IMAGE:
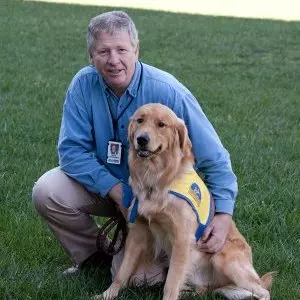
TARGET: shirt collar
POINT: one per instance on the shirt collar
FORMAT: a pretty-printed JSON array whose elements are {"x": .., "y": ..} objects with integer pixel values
[{"x": 134, "y": 84}]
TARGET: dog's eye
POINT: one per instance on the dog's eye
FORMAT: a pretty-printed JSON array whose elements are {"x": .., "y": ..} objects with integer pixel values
[
  {"x": 161, "y": 124},
  {"x": 140, "y": 120}
]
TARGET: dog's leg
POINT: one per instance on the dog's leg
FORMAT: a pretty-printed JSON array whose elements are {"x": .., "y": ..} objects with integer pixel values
[
  {"x": 177, "y": 269},
  {"x": 136, "y": 244},
  {"x": 244, "y": 277}
]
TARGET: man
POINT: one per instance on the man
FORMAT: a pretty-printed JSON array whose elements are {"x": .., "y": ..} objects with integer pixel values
[{"x": 99, "y": 103}]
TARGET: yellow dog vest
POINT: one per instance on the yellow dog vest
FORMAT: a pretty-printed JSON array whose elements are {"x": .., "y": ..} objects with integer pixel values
[{"x": 192, "y": 189}]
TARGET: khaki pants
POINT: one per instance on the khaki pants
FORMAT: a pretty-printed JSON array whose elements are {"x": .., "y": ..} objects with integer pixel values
[{"x": 67, "y": 208}]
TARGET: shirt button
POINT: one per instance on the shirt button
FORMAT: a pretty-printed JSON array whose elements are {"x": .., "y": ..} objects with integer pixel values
[{"x": 122, "y": 126}]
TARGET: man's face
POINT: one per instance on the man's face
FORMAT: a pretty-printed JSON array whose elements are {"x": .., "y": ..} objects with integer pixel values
[{"x": 115, "y": 58}]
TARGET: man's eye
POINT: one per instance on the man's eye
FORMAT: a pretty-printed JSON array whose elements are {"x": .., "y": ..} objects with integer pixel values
[
  {"x": 101, "y": 52},
  {"x": 140, "y": 120},
  {"x": 161, "y": 124}
]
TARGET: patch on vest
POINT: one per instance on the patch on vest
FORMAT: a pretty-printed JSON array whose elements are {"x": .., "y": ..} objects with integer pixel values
[{"x": 195, "y": 192}]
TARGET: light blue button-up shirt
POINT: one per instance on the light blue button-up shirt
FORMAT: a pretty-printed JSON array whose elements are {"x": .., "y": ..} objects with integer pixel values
[{"x": 87, "y": 125}]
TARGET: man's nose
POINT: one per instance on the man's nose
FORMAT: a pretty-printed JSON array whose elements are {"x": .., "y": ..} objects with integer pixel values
[{"x": 113, "y": 57}]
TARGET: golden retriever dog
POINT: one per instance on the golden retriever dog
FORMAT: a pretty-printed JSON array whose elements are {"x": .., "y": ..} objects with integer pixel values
[{"x": 161, "y": 154}]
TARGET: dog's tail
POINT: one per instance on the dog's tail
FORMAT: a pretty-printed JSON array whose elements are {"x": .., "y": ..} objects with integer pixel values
[
  {"x": 267, "y": 280},
  {"x": 239, "y": 293}
]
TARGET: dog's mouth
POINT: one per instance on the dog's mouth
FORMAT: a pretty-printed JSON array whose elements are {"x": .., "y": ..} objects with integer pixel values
[{"x": 144, "y": 153}]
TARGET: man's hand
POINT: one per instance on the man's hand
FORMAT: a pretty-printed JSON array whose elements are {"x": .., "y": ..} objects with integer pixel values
[
  {"x": 215, "y": 234},
  {"x": 116, "y": 193}
]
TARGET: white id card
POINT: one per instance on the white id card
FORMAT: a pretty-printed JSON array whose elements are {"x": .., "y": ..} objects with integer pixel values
[{"x": 114, "y": 150}]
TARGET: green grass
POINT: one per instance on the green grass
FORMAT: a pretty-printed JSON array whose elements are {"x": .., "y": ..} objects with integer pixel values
[{"x": 245, "y": 74}]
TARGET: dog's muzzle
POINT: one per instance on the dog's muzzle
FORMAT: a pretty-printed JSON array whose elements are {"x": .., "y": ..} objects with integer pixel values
[
  {"x": 142, "y": 146},
  {"x": 144, "y": 153}
]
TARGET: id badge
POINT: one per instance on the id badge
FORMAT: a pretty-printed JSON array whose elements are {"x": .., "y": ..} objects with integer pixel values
[{"x": 114, "y": 150}]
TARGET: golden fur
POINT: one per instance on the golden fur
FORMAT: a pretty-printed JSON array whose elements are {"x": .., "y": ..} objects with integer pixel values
[{"x": 160, "y": 152}]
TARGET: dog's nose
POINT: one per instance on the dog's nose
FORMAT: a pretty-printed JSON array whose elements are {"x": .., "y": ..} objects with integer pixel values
[{"x": 143, "y": 140}]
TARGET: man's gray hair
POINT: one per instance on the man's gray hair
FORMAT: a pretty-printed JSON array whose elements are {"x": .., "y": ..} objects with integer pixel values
[{"x": 111, "y": 22}]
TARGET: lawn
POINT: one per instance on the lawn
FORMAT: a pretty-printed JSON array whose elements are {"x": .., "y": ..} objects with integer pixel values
[{"x": 246, "y": 75}]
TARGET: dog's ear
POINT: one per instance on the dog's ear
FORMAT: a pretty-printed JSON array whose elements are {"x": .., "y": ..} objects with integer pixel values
[
  {"x": 184, "y": 140},
  {"x": 131, "y": 130}
]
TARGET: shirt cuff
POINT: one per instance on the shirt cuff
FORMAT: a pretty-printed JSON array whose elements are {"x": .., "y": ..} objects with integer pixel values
[
  {"x": 224, "y": 206},
  {"x": 109, "y": 184}
]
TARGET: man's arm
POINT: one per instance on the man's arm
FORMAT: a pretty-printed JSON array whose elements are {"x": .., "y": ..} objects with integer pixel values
[
  {"x": 76, "y": 147},
  {"x": 116, "y": 193},
  {"x": 213, "y": 161}
]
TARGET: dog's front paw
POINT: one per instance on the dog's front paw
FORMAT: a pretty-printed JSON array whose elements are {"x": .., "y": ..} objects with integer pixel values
[
  {"x": 103, "y": 296},
  {"x": 171, "y": 294},
  {"x": 97, "y": 297},
  {"x": 110, "y": 294}
]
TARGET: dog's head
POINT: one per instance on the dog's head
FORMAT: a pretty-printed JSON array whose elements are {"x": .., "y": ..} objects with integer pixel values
[{"x": 154, "y": 129}]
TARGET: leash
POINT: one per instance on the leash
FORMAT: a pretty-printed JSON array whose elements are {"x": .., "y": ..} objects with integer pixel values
[{"x": 119, "y": 225}]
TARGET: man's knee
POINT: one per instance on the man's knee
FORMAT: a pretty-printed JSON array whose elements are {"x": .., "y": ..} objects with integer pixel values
[{"x": 42, "y": 191}]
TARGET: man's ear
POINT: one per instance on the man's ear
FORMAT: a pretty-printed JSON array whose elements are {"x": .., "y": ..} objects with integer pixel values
[
  {"x": 90, "y": 58},
  {"x": 137, "y": 50}
]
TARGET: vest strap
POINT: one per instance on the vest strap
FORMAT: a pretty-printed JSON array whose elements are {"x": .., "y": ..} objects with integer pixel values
[{"x": 134, "y": 211}]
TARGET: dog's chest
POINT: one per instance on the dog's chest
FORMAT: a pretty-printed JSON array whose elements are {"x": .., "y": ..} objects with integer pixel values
[
  {"x": 152, "y": 203},
  {"x": 162, "y": 236}
]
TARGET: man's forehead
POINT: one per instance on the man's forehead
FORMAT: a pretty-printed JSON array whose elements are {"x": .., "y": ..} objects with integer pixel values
[{"x": 117, "y": 35}]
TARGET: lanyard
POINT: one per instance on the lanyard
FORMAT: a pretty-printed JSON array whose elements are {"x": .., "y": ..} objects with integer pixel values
[{"x": 115, "y": 121}]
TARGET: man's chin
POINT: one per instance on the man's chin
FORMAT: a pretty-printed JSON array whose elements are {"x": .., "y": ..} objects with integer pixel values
[
  {"x": 117, "y": 83},
  {"x": 115, "y": 80}
]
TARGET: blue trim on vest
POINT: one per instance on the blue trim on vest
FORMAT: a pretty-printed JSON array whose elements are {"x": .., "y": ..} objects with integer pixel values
[
  {"x": 127, "y": 196},
  {"x": 200, "y": 231},
  {"x": 201, "y": 227},
  {"x": 187, "y": 200},
  {"x": 134, "y": 211}
]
